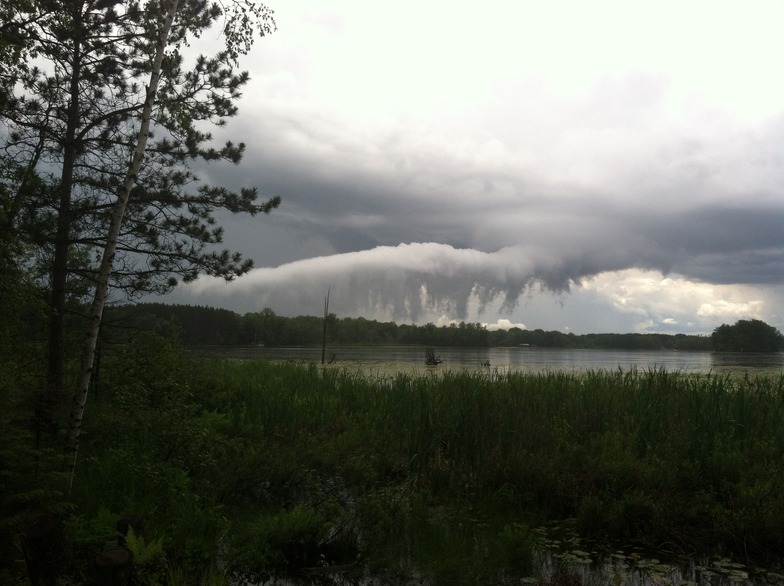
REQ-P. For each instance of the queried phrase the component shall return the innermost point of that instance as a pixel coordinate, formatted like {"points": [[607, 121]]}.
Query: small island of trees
{"points": [[747, 336]]}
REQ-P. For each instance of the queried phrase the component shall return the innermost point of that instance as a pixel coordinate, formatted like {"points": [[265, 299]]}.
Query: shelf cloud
{"points": [[485, 171]]}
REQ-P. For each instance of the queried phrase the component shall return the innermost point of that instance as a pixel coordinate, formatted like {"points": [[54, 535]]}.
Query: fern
{"points": [[145, 553]]}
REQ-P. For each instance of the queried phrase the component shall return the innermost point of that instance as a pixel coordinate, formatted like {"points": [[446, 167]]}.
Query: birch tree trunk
{"points": [[107, 260]]}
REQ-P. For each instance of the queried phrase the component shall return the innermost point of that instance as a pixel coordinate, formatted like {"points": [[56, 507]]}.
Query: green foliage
{"points": [[747, 336], [516, 544], [145, 553], [148, 449], [289, 538], [209, 576], [75, 119], [280, 466], [93, 534], [152, 373], [176, 576], [29, 486], [607, 447], [211, 326], [30, 482], [149, 557]]}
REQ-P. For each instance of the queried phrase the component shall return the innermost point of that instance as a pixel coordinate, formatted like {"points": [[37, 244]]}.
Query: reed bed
{"points": [[688, 463]]}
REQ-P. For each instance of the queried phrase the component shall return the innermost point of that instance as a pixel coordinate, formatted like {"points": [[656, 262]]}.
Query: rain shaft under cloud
{"points": [[401, 283]]}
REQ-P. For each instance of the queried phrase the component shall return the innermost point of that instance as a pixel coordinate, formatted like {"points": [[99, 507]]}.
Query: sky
{"points": [[603, 166]]}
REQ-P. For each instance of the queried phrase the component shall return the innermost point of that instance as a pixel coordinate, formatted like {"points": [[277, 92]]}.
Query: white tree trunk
{"points": [[107, 260]]}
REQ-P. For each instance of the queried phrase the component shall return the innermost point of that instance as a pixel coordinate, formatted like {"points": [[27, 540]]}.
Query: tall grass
{"points": [[647, 457], [285, 464]]}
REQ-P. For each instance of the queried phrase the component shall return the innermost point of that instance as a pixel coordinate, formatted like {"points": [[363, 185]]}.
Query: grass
{"points": [[641, 456], [289, 465]]}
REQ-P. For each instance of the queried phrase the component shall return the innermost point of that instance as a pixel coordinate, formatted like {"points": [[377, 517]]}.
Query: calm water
{"points": [[412, 360]]}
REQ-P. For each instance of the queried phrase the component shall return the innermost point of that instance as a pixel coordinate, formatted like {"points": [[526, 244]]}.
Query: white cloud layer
{"points": [[426, 282]]}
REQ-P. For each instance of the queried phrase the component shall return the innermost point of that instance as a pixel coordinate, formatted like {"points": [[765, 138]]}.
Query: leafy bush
{"points": [[286, 539]]}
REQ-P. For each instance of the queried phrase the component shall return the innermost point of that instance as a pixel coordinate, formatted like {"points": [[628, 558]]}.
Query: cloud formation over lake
{"points": [[435, 161]]}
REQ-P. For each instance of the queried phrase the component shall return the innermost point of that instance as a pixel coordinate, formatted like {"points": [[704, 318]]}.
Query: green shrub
{"points": [[287, 539]]}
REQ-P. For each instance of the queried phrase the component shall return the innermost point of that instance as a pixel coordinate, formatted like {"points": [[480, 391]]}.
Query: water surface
{"points": [[408, 359]]}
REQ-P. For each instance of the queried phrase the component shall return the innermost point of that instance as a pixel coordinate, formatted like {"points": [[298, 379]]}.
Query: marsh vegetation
{"points": [[259, 469]]}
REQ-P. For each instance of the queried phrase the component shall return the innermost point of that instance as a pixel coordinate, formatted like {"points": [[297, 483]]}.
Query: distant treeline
{"points": [[196, 325]]}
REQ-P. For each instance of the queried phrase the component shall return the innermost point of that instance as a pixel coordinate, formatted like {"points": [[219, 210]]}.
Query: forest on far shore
{"points": [[198, 325]]}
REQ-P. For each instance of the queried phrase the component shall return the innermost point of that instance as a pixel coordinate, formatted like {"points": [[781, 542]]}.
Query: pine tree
{"points": [[74, 123]]}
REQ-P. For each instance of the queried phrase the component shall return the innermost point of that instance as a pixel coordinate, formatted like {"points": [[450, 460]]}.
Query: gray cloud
{"points": [[475, 242], [479, 191]]}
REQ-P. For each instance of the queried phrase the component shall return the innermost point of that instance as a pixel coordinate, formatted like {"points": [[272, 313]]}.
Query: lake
{"points": [[408, 359]]}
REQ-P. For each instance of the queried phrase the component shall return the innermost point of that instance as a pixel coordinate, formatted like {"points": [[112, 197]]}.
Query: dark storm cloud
{"points": [[725, 244], [481, 243], [588, 231], [432, 187]]}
